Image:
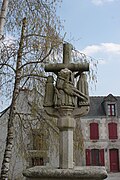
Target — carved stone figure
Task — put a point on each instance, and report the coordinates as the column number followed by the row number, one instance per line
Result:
column 82, row 86
column 49, row 92
column 64, row 96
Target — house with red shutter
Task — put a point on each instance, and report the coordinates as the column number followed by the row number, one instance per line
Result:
column 101, row 132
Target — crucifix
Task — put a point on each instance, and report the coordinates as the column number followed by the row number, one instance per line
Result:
column 64, row 99
column 65, row 93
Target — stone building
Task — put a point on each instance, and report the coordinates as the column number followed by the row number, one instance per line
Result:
column 35, row 141
column 101, row 133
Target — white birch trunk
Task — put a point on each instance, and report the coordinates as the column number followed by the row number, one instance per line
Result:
column 10, row 129
column 3, row 16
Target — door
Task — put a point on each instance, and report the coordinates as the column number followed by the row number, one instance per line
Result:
column 114, row 160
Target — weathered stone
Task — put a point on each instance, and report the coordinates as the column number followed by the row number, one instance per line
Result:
column 66, row 101
column 73, row 67
column 49, row 95
column 64, row 92
column 78, row 173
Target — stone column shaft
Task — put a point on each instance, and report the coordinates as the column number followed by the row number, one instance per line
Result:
column 66, row 149
column 66, row 125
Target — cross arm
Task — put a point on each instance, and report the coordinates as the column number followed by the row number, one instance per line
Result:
column 81, row 67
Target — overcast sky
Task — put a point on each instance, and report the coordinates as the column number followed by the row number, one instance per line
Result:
column 93, row 27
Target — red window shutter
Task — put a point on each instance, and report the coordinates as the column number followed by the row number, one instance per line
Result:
column 112, row 128
column 94, row 131
column 101, row 157
column 88, row 155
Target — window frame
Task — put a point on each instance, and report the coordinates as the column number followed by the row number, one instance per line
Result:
column 95, row 157
column 37, row 161
column 111, row 109
column 95, row 160
column 38, row 141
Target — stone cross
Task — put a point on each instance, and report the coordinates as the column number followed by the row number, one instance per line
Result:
column 67, row 48
column 64, row 105
column 59, row 102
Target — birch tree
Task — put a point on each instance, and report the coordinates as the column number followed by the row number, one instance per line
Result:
column 10, row 129
column 3, row 14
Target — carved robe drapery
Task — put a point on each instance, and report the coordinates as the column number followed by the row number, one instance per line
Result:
column 63, row 97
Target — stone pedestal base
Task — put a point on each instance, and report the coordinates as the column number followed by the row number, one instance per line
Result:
column 78, row 173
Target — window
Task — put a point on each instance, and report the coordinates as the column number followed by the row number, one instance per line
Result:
column 95, row 157
column 94, row 131
column 111, row 110
column 37, row 161
column 38, row 141
column 112, row 129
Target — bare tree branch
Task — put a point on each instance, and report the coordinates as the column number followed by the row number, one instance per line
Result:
column 33, row 75
column 37, row 62
column 8, row 65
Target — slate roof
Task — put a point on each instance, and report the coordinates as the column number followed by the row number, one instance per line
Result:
column 97, row 106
